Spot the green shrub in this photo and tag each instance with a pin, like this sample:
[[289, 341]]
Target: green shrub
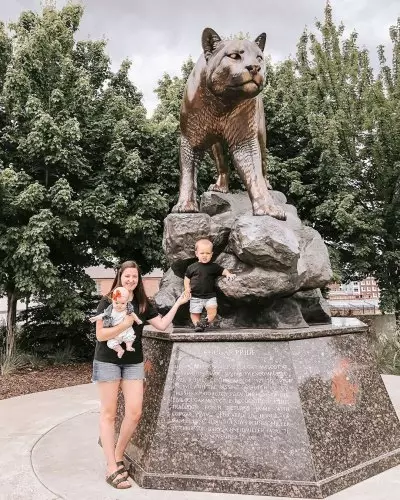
[[64, 355], [43, 334], [388, 354]]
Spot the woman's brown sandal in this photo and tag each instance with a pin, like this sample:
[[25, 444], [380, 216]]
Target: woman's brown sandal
[[122, 469], [114, 482]]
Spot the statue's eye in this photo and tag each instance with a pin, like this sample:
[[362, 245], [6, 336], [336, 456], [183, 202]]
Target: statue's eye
[[234, 55]]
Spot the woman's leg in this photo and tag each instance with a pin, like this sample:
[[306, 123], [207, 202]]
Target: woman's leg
[[108, 410], [133, 395]]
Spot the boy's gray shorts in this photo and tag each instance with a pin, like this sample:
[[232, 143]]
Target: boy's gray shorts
[[110, 372], [197, 305]]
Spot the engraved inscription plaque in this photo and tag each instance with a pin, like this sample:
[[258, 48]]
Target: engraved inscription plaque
[[298, 417], [232, 407]]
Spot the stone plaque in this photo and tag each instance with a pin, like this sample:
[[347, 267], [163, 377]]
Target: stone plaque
[[232, 408], [243, 412]]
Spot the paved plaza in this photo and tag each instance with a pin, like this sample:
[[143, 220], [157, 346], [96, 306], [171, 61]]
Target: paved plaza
[[49, 451]]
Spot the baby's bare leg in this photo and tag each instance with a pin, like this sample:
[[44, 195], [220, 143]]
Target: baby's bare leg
[[119, 350], [128, 346]]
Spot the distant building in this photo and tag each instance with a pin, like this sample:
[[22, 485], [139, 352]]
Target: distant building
[[104, 277], [369, 288], [355, 297]]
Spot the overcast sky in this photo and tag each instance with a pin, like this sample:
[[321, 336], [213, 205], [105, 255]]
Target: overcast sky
[[158, 35]]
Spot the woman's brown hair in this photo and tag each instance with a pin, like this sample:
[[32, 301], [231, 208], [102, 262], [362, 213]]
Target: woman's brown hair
[[138, 293]]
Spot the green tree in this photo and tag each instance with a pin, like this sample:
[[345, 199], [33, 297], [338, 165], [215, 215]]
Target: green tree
[[75, 190], [333, 141], [385, 166]]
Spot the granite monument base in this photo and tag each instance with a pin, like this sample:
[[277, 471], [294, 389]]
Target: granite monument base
[[297, 412]]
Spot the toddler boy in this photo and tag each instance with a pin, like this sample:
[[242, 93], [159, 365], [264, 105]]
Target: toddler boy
[[199, 281]]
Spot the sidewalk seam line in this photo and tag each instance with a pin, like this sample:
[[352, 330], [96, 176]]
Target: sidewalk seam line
[[42, 436]]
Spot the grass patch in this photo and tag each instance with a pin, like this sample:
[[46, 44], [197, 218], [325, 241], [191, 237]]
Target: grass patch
[[64, 355], [11, 364]]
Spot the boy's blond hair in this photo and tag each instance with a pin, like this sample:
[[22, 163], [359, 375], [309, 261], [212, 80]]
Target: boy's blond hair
[[203, 241]]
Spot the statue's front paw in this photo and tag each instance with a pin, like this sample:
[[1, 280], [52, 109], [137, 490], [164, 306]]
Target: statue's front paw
[[186, 206], [278, 213], [218, 188], [271, 210]]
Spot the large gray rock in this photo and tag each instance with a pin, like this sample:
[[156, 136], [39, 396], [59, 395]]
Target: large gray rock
[[253, 282], [279, 265], [314, 308], [264, 241], [313, 268], [213, 203], [220, 229], [171, 287], [277, 313], [181, 231]]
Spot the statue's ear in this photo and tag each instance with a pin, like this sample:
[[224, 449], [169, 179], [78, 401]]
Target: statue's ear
[[209, 40], [260, 41]]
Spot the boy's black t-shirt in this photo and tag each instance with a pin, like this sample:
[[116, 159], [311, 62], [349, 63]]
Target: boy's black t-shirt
[[108, 355], [202, 279]]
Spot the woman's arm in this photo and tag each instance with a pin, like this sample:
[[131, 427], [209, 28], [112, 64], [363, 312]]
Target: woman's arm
[[163, 322], [103, 334]]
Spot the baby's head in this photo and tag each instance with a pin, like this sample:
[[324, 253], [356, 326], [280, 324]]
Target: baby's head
[[204, 250], [120, 297]]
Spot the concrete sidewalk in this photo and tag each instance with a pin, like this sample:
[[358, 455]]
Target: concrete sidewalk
[[48, 450]]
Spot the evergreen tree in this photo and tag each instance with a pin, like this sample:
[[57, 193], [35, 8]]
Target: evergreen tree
[[385, 175], [333, 141]]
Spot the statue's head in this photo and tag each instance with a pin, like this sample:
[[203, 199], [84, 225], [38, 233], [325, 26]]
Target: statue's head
[[235, 68]]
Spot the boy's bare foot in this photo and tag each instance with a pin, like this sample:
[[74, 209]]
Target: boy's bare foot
[[129, 347]]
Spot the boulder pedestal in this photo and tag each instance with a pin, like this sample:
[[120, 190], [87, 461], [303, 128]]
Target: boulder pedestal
[[280, 266], [298, 412]]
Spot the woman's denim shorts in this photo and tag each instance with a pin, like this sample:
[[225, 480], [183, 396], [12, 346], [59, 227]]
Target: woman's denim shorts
[[110, 372]]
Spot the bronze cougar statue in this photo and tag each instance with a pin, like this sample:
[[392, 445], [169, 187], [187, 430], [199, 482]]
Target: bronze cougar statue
[[222, 103]]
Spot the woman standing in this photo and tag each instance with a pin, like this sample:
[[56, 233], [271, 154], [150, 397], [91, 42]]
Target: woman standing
[[111, 373]]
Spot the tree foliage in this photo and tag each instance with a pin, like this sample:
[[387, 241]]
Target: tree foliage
[[86, 178], [75, 187], [333, 133]]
